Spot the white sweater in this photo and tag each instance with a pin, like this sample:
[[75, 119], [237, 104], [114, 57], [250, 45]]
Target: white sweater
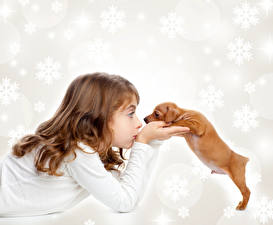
[[26, 192]]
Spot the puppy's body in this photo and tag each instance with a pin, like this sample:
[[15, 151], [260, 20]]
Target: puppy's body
[[208, 147], [206, 144]]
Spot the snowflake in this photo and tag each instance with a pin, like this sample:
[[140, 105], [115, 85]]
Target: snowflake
[[264, 210], [35, 8], [5, 12], [39, 106], [249, 88], [30, 28], [14, 48], [175, 188], [216, 62], [13, 63], [239, 51], [22, 72], [172, 25], [266, 5], [163, 219], [207, 50], [230, 211], [16, 134], [8, 91], [51, 35], [112, 19], [98, 51], [56, 7], [207, 78], [48, 70], [183, 212], [89, 222], [211, 97], [83, 20], [141, 16], [245, 15], [262, 81], [245, 119], [179, 60], [200, 169]]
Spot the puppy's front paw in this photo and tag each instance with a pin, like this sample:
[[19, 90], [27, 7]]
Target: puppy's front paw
[[241, 206]]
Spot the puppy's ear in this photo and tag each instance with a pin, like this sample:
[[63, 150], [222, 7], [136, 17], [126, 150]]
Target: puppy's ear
[[171, 114]]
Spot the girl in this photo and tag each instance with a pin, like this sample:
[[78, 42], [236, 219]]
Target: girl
[[71, 155]]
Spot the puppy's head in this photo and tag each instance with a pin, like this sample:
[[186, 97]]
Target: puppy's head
[[167, 111]]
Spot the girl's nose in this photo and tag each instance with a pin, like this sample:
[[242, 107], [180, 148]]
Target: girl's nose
[[139, 124]]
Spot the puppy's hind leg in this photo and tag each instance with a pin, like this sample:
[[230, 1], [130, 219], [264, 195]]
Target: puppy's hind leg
[[237, 174]]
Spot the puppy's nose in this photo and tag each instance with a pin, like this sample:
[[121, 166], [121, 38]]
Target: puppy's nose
[[146, 120]]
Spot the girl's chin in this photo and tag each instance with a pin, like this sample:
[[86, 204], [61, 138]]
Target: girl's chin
[[129, 145]]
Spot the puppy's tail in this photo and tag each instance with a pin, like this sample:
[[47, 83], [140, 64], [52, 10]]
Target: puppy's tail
[[239, 159], [244, 159]]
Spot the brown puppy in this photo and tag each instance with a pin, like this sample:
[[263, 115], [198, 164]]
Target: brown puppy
[[206, 144]]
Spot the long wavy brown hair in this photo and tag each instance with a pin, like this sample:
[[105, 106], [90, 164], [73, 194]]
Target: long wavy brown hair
[[83, 116]]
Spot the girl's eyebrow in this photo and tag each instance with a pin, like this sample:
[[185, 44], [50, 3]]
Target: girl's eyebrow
[[131, 106]]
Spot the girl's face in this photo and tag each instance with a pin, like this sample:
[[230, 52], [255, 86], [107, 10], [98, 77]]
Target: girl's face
[[125, 125]]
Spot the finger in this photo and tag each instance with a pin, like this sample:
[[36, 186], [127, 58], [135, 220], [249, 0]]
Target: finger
[[184, 132], [182, 129], [176, 129], [162, 123], [178, 135], [181, 134], [167, 124]]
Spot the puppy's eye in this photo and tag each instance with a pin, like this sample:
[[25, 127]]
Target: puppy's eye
[[156, 114]]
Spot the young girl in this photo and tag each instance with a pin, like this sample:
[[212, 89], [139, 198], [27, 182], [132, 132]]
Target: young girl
[[71, 155]]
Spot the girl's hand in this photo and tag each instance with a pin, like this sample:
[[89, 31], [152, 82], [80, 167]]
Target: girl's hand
[[159, 130]]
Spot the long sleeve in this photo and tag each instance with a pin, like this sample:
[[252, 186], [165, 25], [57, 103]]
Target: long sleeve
[[150, 169], [120, 194]]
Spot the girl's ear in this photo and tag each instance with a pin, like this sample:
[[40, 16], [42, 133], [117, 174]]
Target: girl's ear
[[171, 114]]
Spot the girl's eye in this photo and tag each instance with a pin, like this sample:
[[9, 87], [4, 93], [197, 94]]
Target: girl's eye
[[131, 114]]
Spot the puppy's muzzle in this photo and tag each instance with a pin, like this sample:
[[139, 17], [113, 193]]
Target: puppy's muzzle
[[146, 120]]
